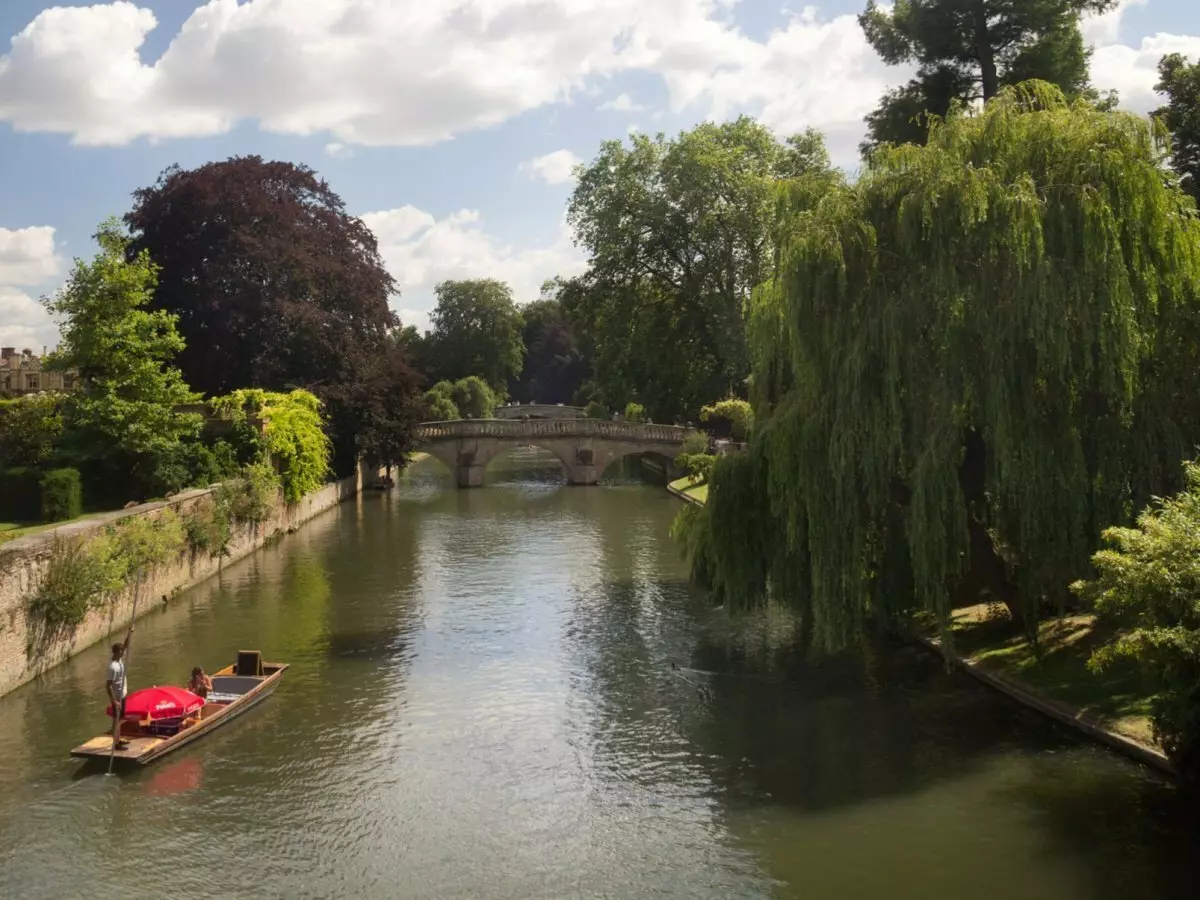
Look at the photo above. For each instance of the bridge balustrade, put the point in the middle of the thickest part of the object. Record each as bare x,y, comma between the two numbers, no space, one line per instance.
550,428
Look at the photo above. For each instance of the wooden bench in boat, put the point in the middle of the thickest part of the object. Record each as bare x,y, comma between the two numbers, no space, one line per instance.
236,688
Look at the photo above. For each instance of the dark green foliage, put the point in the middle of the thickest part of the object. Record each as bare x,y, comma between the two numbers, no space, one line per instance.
20,495
476,331
30,428
62,495
596,410
555,366
678,233
1180,81
967,50
1148,584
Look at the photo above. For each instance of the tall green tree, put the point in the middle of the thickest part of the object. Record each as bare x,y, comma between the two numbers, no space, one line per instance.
1180,81
967,50
678,234
476,331
125,411
968,364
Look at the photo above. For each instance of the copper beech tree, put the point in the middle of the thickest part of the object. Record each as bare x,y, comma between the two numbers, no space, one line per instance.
275,286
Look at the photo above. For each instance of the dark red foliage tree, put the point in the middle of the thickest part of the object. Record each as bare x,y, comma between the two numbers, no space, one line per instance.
275,285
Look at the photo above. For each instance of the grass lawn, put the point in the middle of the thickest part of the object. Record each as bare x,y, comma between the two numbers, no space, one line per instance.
1118,699
698,491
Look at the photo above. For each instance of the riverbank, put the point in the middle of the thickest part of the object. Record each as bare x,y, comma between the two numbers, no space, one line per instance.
685,489
1112,708
25,561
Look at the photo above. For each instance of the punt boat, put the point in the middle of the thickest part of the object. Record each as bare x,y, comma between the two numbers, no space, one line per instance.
236,688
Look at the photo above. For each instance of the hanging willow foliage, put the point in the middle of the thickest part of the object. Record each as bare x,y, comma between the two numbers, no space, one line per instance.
971,361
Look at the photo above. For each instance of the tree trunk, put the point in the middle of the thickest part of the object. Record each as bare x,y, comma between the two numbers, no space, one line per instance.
987,57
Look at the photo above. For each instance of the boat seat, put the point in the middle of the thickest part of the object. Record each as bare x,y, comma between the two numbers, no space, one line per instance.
234,684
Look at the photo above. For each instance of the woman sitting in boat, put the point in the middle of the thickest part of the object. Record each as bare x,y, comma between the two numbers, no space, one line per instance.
200,684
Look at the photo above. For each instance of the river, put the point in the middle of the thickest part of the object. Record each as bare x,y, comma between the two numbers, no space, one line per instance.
512,692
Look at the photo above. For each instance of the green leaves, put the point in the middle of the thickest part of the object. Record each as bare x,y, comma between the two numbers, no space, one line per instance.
476,331
121,350
970,362
1148,584
679,233
1180,81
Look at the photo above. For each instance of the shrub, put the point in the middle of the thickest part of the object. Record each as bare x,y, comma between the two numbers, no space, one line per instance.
251,496
293,435
439,407
62,495
30,427
737,416
209,527
635,412
474,397
698,466
77,578
1148,584
596,410
694,442
20,495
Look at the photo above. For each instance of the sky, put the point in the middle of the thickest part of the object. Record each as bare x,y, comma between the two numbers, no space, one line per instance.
450,126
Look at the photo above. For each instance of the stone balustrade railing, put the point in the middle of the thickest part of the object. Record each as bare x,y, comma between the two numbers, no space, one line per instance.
550,428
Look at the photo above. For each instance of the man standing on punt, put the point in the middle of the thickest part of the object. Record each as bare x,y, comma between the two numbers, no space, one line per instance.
117,688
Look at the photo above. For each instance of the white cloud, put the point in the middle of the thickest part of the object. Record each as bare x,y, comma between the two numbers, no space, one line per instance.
338,151
420,251
1131,71
622,103
27,256
553,168
27,259
369,72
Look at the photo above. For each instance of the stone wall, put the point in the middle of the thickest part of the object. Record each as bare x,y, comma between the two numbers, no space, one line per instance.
23,563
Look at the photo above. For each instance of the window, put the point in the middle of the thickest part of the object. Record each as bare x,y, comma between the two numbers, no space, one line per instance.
31,382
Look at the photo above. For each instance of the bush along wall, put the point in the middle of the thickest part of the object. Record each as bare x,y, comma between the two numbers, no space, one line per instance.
62,495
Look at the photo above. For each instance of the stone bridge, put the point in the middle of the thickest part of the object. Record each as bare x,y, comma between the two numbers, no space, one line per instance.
586,447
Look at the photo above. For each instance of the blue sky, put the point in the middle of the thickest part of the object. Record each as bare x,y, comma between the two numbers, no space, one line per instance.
450,127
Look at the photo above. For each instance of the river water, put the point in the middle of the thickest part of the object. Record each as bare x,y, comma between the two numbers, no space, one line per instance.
513,693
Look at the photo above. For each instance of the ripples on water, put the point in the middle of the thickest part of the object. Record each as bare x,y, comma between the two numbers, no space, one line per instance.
512,692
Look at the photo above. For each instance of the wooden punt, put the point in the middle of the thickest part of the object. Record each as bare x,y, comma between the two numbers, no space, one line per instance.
236,688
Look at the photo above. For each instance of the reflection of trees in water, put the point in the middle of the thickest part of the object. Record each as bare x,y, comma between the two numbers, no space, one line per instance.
771,728
1140,834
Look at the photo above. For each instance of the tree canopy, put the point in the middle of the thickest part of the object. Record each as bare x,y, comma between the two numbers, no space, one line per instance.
967,50
967,364
678,234
476,331
1180,81
126,406
554,367
274,285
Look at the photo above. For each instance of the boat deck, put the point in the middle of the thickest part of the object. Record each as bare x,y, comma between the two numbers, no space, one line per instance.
102,746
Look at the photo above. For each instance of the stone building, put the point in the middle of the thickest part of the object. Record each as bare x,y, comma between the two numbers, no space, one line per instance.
22,373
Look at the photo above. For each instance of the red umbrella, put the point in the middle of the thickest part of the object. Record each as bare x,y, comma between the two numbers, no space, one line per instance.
160,703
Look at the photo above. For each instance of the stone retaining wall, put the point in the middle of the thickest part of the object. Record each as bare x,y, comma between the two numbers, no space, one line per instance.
23,563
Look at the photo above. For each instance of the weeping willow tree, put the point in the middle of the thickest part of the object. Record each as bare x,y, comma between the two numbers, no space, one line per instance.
967,364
